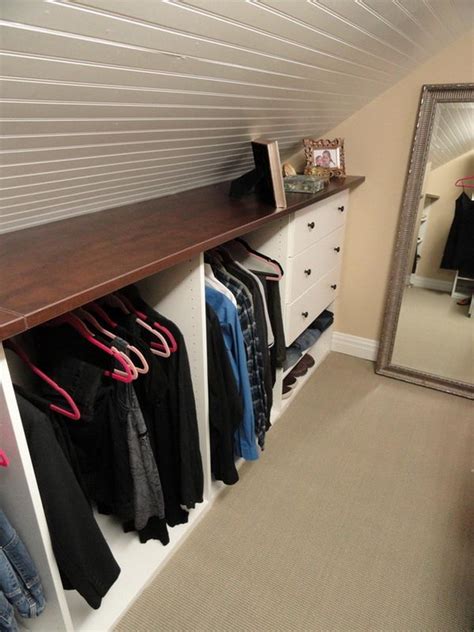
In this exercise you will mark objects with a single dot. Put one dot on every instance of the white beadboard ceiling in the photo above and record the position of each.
(106, 102)
(453, 133)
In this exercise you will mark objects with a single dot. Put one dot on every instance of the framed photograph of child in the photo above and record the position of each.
(325, 154)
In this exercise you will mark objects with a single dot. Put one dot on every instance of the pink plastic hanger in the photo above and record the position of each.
(462, 182)
(173, 345)
(161, 348)
(144, 368)
(164, 349)
(128, 304)
(263, 258)
(80, 327)
(101, 313)
(4, 460)
(241, 251)
(73, 412)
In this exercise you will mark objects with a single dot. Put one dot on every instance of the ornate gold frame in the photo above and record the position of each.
(430, 96)
(311, 144)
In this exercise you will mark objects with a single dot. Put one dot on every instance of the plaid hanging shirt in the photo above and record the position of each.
(252, 345)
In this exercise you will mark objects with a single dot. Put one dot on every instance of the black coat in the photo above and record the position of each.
(225, 403)
(459, 250)
(83, 556)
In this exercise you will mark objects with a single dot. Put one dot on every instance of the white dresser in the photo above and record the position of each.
(315, 248)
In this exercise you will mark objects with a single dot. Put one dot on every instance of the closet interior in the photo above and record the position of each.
(162, 248)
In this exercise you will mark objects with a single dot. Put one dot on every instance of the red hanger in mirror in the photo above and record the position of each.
(4, 460)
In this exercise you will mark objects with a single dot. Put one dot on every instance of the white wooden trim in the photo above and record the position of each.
(431, 284)
(355, 346)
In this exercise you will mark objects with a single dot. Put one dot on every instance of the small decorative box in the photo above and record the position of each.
(303, 184)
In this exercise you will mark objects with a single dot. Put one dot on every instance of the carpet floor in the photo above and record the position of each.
(435, 335)
(357, 517)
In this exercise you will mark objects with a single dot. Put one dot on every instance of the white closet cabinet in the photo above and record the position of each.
(311, 239)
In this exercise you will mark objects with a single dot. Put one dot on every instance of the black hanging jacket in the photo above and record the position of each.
(225, 403)
(85, 561)
(459, 250)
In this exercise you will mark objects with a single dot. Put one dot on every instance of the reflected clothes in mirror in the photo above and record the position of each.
(426, 337)
(459, 249)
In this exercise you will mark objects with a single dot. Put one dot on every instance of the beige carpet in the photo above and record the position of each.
(435, 335)
(356, 518)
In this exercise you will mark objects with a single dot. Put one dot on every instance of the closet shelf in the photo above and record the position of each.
(11, 323)
(53, 268)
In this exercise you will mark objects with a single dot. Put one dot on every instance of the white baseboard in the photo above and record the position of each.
(431, 284)
(355, 346)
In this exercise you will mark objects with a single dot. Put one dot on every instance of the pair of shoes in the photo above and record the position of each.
(289, 380)
(302, 367)
(307, 361)
(298, 371)
(287, 391)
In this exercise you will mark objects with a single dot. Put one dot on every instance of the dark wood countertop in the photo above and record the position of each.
(48, 270)
(11, 323)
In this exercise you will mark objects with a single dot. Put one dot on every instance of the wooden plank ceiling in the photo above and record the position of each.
(453, 133)
(105, 103)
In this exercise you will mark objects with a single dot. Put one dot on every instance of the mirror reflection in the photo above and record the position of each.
(435, 332)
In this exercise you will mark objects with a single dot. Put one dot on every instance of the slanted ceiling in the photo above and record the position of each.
(453, 133)
(107, 102)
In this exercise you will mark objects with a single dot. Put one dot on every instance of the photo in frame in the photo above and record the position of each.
(324, 157)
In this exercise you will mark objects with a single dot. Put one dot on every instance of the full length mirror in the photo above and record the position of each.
(428, 334)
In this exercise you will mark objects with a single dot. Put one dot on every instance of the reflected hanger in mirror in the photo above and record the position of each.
(425, 336)
(4, 460)
(465, 183)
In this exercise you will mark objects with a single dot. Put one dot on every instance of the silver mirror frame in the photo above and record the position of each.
(431, 95)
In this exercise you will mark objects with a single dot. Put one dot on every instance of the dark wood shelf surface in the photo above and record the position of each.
(48, 270)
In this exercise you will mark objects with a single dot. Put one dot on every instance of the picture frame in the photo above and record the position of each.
(324, 157)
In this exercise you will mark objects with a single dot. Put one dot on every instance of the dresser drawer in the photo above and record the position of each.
(317, 221)
(305, 269)
(300, 313)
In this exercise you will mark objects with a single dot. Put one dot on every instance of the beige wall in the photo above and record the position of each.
(377, 144)
(441, 182)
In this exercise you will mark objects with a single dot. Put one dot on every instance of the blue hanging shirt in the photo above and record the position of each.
(226, 312)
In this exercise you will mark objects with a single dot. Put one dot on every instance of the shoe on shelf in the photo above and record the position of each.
(286, 392)
(299, 370)
(289, 380)
(307, 361)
